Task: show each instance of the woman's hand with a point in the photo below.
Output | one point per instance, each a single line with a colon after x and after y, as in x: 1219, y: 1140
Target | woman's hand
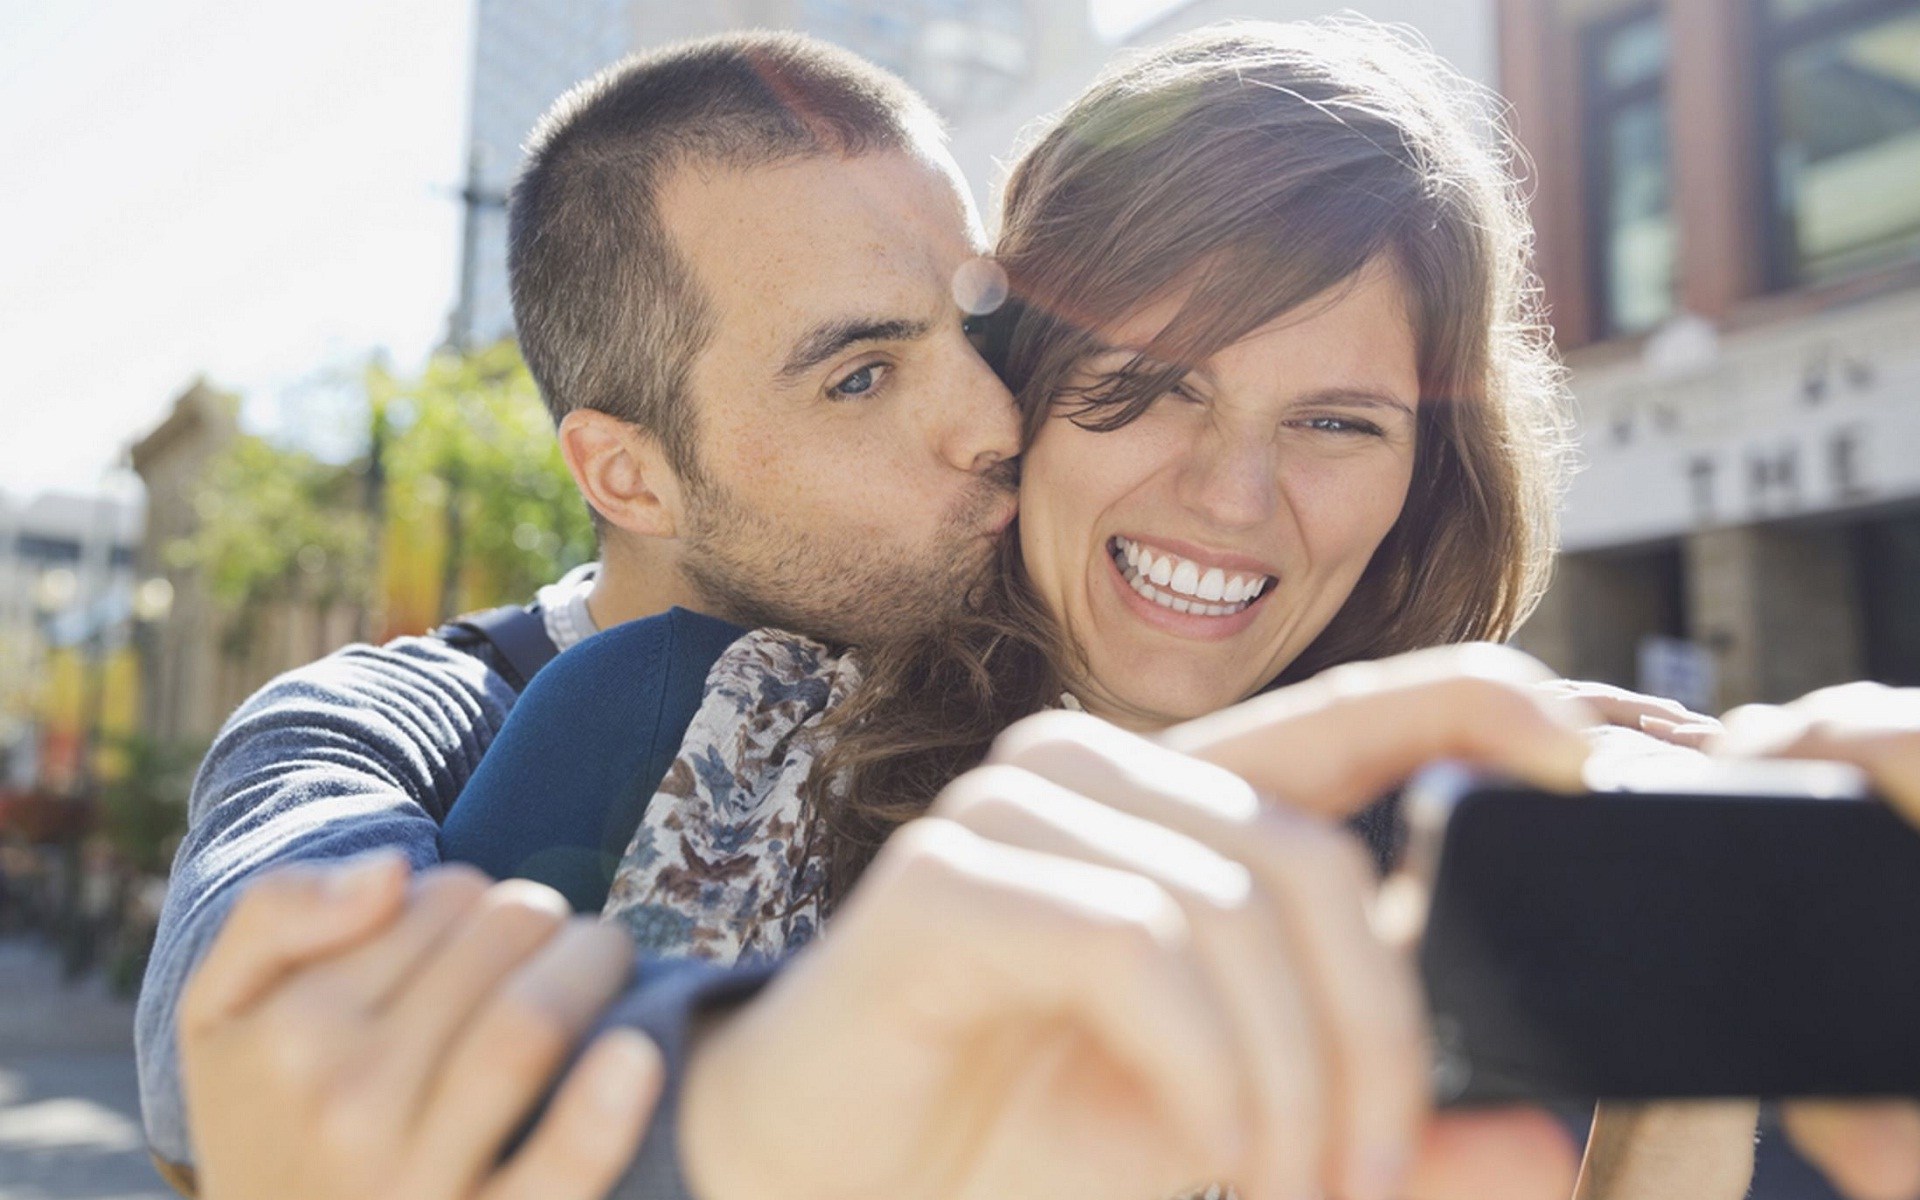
x: 1870, y: 1150
x: 1335, y: 743
x: 1668, y: 720
x: 345, y: 1038
x: 1100, y: 968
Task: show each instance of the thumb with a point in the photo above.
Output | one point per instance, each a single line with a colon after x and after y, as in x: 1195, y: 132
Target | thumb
x: 286, y: 918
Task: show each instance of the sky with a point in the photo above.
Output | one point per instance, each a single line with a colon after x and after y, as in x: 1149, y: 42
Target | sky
x: 260, y: 193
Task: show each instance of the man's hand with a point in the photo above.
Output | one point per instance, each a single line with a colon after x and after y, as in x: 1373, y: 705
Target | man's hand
x: 347, y: 1036
x: 1871, y: 1151
x: 1100, y: 968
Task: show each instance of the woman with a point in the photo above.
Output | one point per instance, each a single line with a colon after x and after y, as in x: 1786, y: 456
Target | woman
x: 1286, y: 406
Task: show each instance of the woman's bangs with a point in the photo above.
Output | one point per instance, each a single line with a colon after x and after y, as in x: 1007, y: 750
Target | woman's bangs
x: 1235, y: 291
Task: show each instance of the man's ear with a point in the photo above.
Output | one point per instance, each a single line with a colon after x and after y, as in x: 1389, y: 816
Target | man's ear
x: 623, y: 472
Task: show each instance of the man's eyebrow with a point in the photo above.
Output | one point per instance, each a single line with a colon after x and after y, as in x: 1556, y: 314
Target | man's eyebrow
x: 826, y: 340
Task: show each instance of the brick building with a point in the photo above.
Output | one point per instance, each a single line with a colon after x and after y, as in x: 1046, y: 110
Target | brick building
x: 1727, y: 198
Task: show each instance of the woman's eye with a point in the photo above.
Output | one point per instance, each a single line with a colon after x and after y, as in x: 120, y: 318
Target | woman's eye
x: 860, y: 382
x: 1341, y: 425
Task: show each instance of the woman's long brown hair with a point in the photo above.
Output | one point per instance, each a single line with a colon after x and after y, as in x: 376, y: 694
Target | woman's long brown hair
x: 1253, y: 168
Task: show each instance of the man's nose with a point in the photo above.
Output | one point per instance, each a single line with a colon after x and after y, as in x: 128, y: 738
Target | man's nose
x: 1232, y: 479
x: 982, y: 426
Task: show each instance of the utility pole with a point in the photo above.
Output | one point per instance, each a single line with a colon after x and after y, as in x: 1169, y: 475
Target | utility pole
x: 475, y: 199
x: 373, y: 500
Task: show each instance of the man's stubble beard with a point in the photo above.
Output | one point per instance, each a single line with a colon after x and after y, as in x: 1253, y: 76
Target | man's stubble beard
x: 757, y: 570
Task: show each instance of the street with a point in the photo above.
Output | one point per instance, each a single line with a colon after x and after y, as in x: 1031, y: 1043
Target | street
x: 69, y: 1104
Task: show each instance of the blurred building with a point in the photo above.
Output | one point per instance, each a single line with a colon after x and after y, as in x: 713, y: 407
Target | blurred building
x: 990, y: 66
x: 199, y: 658
x: 183, y: 698
x: 1728, y: 207
x: 524, y: 56
x: 67, y: 567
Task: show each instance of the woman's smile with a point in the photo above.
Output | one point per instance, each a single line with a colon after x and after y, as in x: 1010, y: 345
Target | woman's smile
x: 1192, y: 594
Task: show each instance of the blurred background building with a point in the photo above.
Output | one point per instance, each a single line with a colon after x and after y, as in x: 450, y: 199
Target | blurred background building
x: 67, y: 584
x: 1728, y: 211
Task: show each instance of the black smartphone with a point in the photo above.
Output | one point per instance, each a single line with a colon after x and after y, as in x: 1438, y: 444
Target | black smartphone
x: 1739, y: 930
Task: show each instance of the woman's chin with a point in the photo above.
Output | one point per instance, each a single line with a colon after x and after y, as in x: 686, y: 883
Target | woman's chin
x: 1157, y: 701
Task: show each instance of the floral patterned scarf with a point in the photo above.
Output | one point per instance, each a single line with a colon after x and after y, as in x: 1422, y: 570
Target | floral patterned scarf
x: 718, y: 869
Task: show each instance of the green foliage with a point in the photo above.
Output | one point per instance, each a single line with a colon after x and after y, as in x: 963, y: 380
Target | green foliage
x: 462, y: 480
x: 143, y: 808
x: 469, y: 444
x: 277, y: 524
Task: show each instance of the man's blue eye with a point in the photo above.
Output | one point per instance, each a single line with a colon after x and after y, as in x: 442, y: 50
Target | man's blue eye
x: 856, y: 384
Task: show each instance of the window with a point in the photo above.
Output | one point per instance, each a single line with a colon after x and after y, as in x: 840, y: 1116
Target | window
x: 1842, y: 135
x: 1629, y: 194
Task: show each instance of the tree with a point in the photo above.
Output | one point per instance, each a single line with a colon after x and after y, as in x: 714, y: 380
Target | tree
x: 143, y: 806
x: 480, y: 509
x: 461, y: 477
x: 276, y: 524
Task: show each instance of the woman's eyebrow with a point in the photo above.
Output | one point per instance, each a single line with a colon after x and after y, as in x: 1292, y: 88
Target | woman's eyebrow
x: 1139, y: 359
x: 1356, y: 397
x: 829, y: 338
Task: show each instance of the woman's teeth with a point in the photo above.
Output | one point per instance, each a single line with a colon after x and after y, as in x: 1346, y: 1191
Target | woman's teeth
x: 1183, y: 585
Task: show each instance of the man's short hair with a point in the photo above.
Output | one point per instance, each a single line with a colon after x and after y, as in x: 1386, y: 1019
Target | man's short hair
x: 607, y: 309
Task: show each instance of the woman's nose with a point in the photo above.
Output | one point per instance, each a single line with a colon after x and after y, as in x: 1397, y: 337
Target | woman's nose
x: 1232, y: 480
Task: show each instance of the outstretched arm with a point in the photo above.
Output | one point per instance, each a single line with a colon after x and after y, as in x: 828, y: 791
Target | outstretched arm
x: 361, y: 750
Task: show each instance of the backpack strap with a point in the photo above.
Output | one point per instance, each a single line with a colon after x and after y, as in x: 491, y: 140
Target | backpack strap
x: 517, y: 634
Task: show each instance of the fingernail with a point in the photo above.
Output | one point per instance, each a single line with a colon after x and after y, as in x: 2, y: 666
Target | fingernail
x: 624, y: 1064
x: 354, y: 877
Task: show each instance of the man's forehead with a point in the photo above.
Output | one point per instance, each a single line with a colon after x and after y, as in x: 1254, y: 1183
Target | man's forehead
x: 779, y: 248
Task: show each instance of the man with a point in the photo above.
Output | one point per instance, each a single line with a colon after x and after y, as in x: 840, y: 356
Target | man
x: 733, y: 269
